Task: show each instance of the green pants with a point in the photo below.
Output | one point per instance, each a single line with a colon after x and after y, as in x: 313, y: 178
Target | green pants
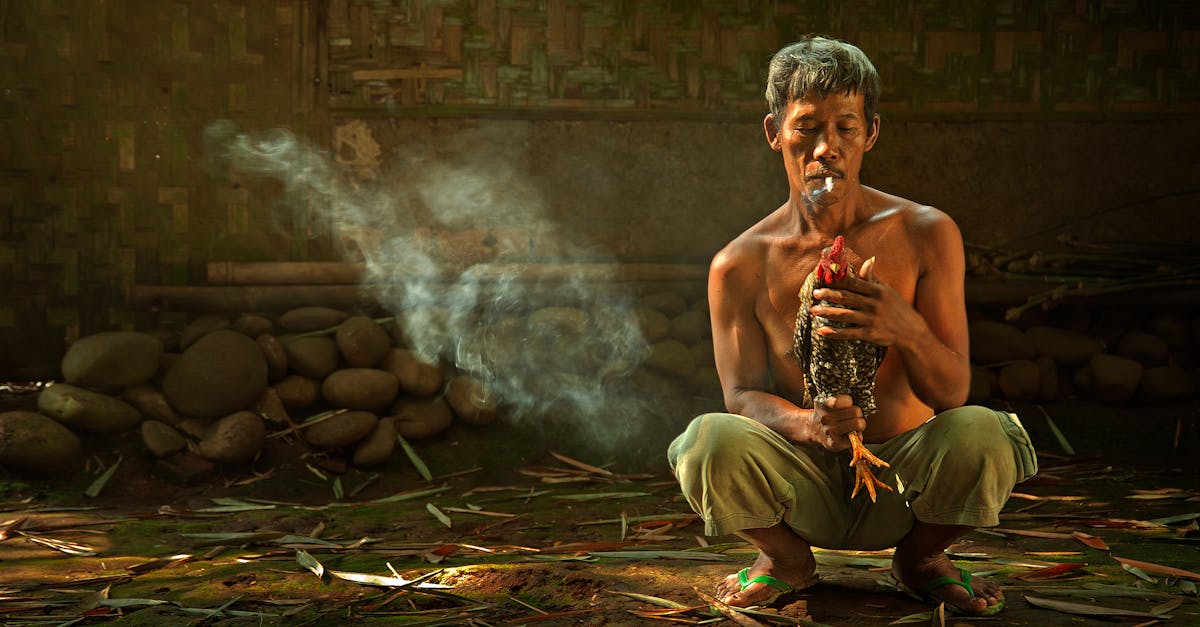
x: 958, y: 468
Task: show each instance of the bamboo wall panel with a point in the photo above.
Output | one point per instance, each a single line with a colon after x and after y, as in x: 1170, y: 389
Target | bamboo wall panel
x: 709, y: 57
x: 102, y: 184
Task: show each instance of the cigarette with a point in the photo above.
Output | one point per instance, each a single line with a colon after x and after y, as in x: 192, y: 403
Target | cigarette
x: 829, y: 184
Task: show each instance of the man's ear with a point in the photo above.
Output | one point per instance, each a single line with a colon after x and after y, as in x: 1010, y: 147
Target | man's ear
x: 873, y: 133
x: 771, y: 129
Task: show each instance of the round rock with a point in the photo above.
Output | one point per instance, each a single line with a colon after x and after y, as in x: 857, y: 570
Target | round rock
x: 365, y: 389
x: 111, y: 360
x: 313, y: 356
x: 418, y: 418
x: 1020, y: 380
x: 32, y: 442
x: 234, y: 439
x: 305, y: 319
x: 161, y: 439
x: 87, y: 410
x: 671, y: 357
x: 690, y: 327
x: 341, y: 430
x: 1166, y: 383
x: 1064, y: 346
x: 1114, y: 379
x: 378, y: 446
x: 417, y: 376
x: 150, y: 402
x: 362, y: 342
x: 471, y: 400
x: 995, y: 342
x: 221, y: 373
x: 199, y: 328
x: 253, y: 325
x: 298, y: 392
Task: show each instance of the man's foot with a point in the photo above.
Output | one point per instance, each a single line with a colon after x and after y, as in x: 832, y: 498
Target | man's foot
x: 766, y: 580
x: 937, y: 580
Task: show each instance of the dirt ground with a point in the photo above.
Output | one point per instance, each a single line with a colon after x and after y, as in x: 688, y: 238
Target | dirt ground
x: 527, y: 529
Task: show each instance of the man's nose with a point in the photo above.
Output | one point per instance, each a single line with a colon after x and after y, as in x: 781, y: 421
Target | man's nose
x: 827, y: 147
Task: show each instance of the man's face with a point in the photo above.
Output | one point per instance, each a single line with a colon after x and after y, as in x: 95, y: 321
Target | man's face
x: 822, y: 138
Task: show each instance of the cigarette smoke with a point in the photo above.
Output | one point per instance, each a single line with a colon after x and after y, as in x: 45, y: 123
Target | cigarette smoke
x: 567, y: 347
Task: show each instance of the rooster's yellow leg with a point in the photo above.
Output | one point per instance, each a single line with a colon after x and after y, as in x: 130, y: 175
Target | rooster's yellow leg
x: 862, y: 460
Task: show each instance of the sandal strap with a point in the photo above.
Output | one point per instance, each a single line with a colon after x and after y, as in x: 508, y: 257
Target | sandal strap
x: 745, y: 580
x: 963, y: 581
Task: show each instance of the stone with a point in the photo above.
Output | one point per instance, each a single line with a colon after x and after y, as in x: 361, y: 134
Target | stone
x: 31, y: 442
x: 362, y: 342
x: 112, y: 359
x: 417, y: 376
x: 253, y: 325
x: 151, y: 404
x: 161, y: 439
x: 271, y: 408
x: 199, y: 328
x: 472, y: 400
x: 690, y: 327
x: 341, y: 430
x: 702, y: 353
x: 378, y: 446
x: 670, y: 304
x: 655, y: 325
x: 1166, y: 383
x: 997, y: 342
x: 420, y: 418
x: 558, y: 322
x: 185, y: 466
x: 274, y: 354
x: 1114, y: 379
x: 706, y: 381
x: 306, y: 319
x: 1069, y: 348
x: 366, y: 389
x: 983, y: 385
x: 1149, y: 350
x: 234, y: 439
x: 671, y: 357
x: 1173, y: 329
x: 221, y: 373
x: 298, y: 392
x: 1020, y: 380
x: 83, y: 409
x: 1049, y: 388
x: 313, y: 356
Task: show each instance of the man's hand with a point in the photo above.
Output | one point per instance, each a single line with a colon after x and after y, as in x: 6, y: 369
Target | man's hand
x: 877, y: 313
x: 834, y: 420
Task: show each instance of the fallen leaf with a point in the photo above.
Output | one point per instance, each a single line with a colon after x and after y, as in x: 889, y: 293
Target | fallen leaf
x: 1032, y: 534
x: 1137, y: 572
x: 437, y: 513
x: 1090, y: 540
x: 681, y: 555
x: 415, y: 459
x: 578, y: 464
x: 94, y: 489
x: 1082, y: 609
x: 1054, y: 571
x: 1158, y: 568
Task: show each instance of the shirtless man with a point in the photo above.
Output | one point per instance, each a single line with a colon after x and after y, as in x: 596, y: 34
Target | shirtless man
x: 776, y: 472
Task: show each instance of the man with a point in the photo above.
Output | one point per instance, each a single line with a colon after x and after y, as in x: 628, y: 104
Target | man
x: 776, y: 472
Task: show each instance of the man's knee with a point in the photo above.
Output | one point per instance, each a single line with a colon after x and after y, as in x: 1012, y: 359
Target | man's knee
x: 708, y: 437
x: 973, y: 438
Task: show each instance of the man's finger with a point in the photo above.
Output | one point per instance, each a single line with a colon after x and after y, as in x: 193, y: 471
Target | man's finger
x: 867, y: 271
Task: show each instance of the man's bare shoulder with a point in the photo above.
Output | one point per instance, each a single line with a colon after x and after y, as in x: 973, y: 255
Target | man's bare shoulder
x: 919, y: 220
x: 745, y: 254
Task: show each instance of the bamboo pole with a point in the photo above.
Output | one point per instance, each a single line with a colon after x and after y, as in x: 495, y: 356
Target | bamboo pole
x: 344, y: 273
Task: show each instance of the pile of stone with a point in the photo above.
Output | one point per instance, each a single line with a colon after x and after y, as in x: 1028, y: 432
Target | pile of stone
x: 1115, y: 358
x: 213, y: 393
x: 216, y: 391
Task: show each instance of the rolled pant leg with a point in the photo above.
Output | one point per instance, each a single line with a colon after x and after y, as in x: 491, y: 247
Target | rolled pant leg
x: 738, y: 474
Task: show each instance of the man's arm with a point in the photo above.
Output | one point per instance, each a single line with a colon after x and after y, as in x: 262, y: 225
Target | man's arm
x: 740, y: 349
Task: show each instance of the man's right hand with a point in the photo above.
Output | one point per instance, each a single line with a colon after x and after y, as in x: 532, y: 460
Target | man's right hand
x: 833, y: 421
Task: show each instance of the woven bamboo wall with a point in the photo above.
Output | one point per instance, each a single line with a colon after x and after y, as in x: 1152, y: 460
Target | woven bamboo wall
x: 101, y: 115
x: 103, y: 104
x: 710, y: 56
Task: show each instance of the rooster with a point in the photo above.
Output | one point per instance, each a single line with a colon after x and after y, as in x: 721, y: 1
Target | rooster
x: 833, y: 367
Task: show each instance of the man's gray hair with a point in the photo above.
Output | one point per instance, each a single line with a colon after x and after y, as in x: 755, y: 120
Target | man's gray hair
x: 819, y: 67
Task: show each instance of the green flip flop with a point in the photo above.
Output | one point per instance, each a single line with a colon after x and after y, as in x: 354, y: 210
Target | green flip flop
x: 781, y: 587
x: 925, y: 593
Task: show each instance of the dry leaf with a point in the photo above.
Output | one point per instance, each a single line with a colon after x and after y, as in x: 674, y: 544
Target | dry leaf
x: 1090, y: 540
x: 1157, y: 568
x: 1082, y: 609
